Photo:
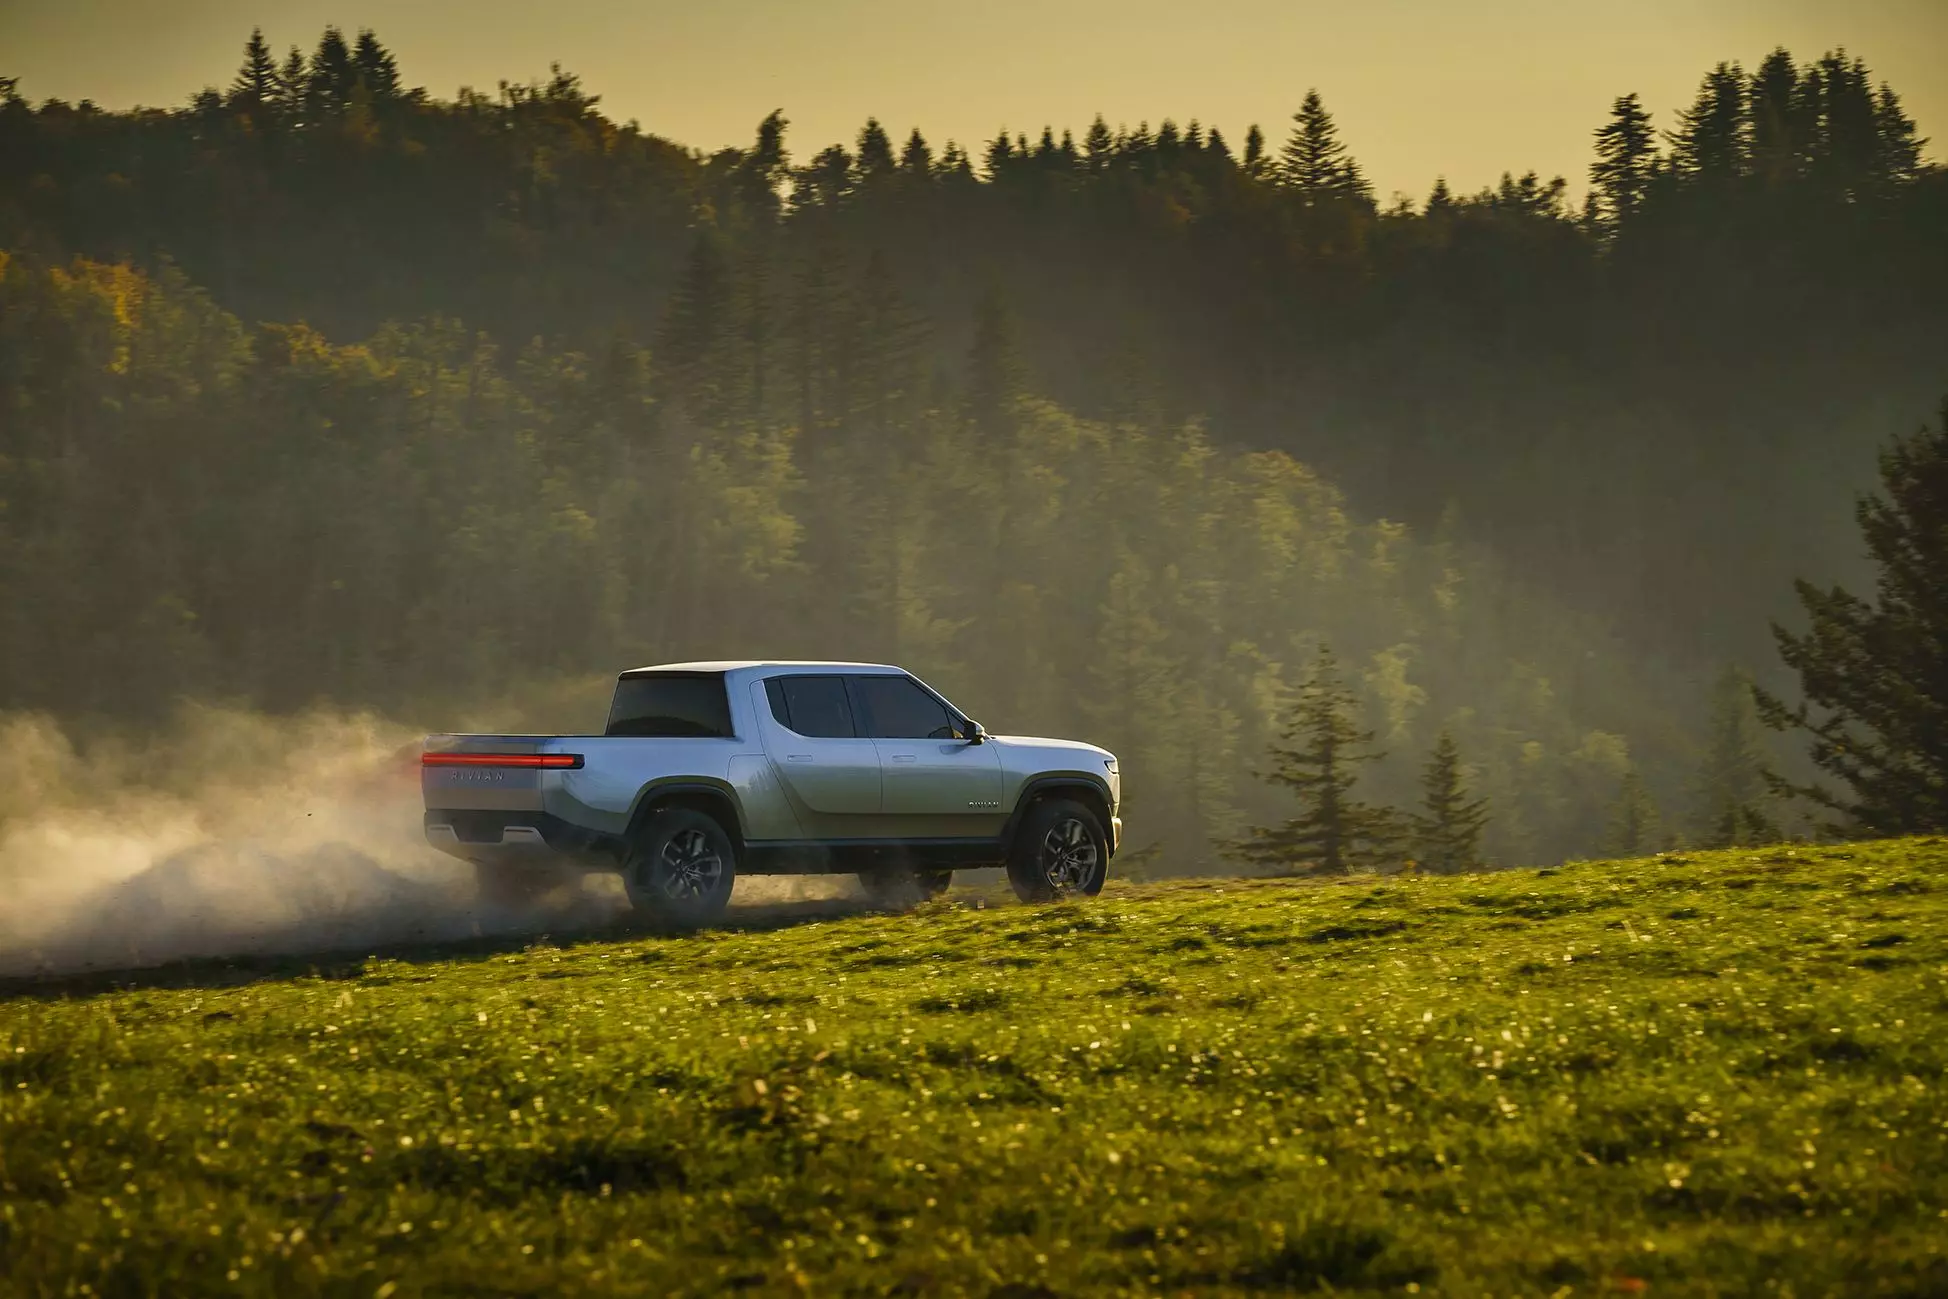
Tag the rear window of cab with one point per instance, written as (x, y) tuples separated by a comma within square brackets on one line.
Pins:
[(671, 705)]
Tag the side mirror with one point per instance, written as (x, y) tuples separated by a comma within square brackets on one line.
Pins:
[(974, 731)]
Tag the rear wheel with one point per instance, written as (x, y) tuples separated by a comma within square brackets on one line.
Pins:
[(1059, 851), (900, 887), (680, 867)]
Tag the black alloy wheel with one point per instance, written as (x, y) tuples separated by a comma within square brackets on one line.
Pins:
[(681, 867), (1060, 851)]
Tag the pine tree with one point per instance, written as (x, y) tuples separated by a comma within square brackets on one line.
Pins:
[(1447, 830), (916, 159), (1626, 151), (255, 88), (1900, 149), (1634, 827), (1319, 759), (1315, 163), (764, 169), (292, 78), (1874, 675), (374, 68), (1846, 155), (1254, 158), (1733, 796), (1774, 118), (875, 152), (1712, 141), (330, 78), (1097, 145)]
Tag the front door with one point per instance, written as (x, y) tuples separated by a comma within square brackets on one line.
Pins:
[(822, 757), (939, 784)]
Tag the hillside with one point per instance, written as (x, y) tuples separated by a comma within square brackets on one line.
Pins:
[(1703, 1073)]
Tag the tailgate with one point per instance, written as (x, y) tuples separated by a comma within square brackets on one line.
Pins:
[(490, 772)]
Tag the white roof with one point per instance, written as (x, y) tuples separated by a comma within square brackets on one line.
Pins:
[(736, 665)]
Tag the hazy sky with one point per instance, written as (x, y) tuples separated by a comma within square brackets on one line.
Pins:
[(1420, 87)]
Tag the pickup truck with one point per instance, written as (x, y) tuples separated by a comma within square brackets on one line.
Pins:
[(710, 770)]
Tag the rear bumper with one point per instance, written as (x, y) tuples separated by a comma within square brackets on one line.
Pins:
[(516, 838)]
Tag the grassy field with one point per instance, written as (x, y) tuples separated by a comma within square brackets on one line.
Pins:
[(1698, 1074)]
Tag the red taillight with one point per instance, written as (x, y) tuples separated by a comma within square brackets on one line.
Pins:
[(551, 760)]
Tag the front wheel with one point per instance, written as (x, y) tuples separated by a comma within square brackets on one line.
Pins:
[(1060, 851), (680, 868)]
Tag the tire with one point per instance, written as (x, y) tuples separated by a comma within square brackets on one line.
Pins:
[(1059, 851), (899, 887), (514, 888), (680, 868)]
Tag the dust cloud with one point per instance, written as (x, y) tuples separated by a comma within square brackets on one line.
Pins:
[(236, 834), (230, 834)]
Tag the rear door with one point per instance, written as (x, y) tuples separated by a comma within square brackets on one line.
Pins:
[(926, 767), (820, 752)]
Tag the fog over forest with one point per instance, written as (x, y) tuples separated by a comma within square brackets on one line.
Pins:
[(322, 391)]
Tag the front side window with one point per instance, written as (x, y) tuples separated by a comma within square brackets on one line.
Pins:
[(814, 706), (900, 708), (671, 705)]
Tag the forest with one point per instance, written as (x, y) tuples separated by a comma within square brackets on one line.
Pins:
[(321, 390)]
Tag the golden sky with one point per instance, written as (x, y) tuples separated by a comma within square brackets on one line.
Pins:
[(1420, 87)]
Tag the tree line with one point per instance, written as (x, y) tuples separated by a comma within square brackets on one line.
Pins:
[(618, 400)]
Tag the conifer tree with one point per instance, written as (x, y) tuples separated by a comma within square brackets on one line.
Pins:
[(292, 78), (1254, 157), (916, 159), (256, 85), (1712, 140), (330, 77), (1319, 760), (764, 169), (1314, 162), (1873, 674), (1774, 119), (1733, 796), (374, 67), (1900, 148), (1447, 829), (1626, 151), (1097, 145), (999, 152), (875, 152)]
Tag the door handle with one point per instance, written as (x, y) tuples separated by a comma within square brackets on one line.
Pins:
[(798, 757)]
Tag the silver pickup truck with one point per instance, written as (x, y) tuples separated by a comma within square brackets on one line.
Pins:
[(708, 770)]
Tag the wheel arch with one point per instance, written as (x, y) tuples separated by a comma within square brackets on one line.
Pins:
[(714, 798), (1084, 787)]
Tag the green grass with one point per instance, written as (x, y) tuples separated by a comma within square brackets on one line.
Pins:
[(1700, 1074)]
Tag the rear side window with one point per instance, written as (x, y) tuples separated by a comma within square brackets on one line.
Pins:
[(899, 708), (671, 705), (811, 706)]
